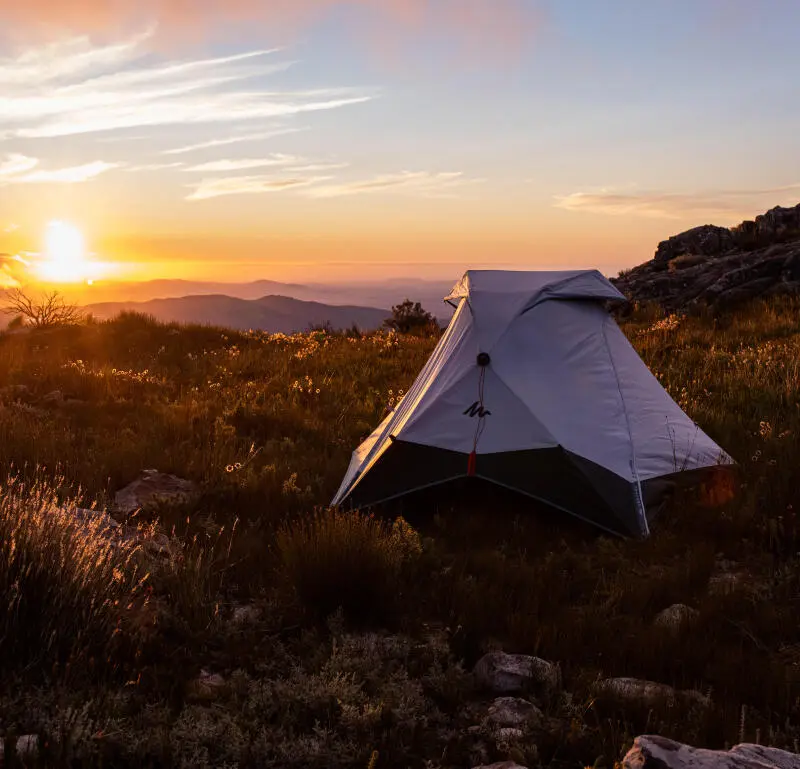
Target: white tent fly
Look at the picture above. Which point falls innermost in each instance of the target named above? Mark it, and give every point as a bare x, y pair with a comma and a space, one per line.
534, 387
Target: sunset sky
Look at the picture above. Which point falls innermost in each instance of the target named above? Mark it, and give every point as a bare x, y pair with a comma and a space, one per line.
300, 139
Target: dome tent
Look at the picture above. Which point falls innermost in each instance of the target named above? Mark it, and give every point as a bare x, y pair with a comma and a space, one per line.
534, 387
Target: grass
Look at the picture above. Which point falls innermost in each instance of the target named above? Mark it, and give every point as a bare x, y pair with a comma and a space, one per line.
103, 646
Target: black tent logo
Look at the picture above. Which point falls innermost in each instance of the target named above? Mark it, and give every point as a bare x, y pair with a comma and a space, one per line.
476, 410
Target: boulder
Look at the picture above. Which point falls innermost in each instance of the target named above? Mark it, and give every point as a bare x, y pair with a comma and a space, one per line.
675, 617
513, 673
636, 691
513, 712
151, 488
653, 752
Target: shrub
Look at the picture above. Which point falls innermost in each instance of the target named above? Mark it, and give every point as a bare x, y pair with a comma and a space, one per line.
346, 560
65, 583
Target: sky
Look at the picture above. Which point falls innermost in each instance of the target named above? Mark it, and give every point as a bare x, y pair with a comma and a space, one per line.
364, 139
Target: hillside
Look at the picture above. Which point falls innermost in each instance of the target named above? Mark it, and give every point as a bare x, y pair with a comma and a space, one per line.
210, 635
275, 314
717, 266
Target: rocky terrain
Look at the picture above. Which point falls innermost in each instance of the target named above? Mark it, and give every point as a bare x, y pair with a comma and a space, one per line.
717, 266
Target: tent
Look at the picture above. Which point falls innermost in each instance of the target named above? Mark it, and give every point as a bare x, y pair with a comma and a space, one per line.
534, 387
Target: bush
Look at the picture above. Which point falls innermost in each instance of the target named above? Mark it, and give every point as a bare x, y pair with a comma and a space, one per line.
65, 584
346, 560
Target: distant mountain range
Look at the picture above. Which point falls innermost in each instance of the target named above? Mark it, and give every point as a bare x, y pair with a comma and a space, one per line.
268, 313
357, 294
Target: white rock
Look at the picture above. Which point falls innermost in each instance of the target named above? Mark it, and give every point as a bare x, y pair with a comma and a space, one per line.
501, 765
675, 617
635, 690
653, 752
509, 734
511, 673
152, 487
513, 712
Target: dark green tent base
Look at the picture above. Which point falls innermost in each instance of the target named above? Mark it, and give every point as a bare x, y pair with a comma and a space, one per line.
553, 476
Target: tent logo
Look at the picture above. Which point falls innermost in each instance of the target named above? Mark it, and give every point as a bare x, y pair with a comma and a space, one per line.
476, 410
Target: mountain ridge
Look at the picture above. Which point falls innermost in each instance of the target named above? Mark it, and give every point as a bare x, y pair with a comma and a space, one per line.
272, 313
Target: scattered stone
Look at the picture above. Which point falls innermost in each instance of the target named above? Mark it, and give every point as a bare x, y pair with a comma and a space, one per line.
207, 686
246, 615
639, 692
509, 734
98, 519
501, 765
514, 712
653, 752
152, 487
513, 673
54, 398
675, 617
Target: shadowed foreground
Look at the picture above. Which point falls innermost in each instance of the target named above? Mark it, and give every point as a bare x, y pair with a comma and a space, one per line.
266, 631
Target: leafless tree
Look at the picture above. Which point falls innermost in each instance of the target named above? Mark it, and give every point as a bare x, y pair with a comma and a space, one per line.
48, 311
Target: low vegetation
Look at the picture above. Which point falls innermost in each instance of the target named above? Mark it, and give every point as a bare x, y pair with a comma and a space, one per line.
273, 632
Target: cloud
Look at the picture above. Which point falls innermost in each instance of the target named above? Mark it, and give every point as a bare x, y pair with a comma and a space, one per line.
422, 183
248, 185
153, 167
232, 140
496, 29
225, 166
732, 205
16, 164
20, 169
82, 89
11, 227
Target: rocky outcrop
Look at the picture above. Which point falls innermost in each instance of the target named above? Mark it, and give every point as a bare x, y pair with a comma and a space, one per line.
717, 266
652, 752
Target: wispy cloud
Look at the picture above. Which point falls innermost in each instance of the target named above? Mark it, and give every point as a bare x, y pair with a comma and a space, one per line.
423, 183
14, 165
20, 169
84, 89
249, 185
251, 137
153, 167
74, 175
225, 166
729, 204
11, 227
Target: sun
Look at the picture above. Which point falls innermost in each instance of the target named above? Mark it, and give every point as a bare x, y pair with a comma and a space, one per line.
65, 259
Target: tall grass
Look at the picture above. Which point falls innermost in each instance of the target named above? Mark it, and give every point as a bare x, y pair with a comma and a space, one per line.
346, 560
66, 584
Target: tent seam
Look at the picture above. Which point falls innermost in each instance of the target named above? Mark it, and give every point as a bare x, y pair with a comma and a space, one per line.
634, 469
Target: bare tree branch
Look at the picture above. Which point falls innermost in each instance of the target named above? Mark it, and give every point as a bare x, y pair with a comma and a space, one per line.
49, 311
